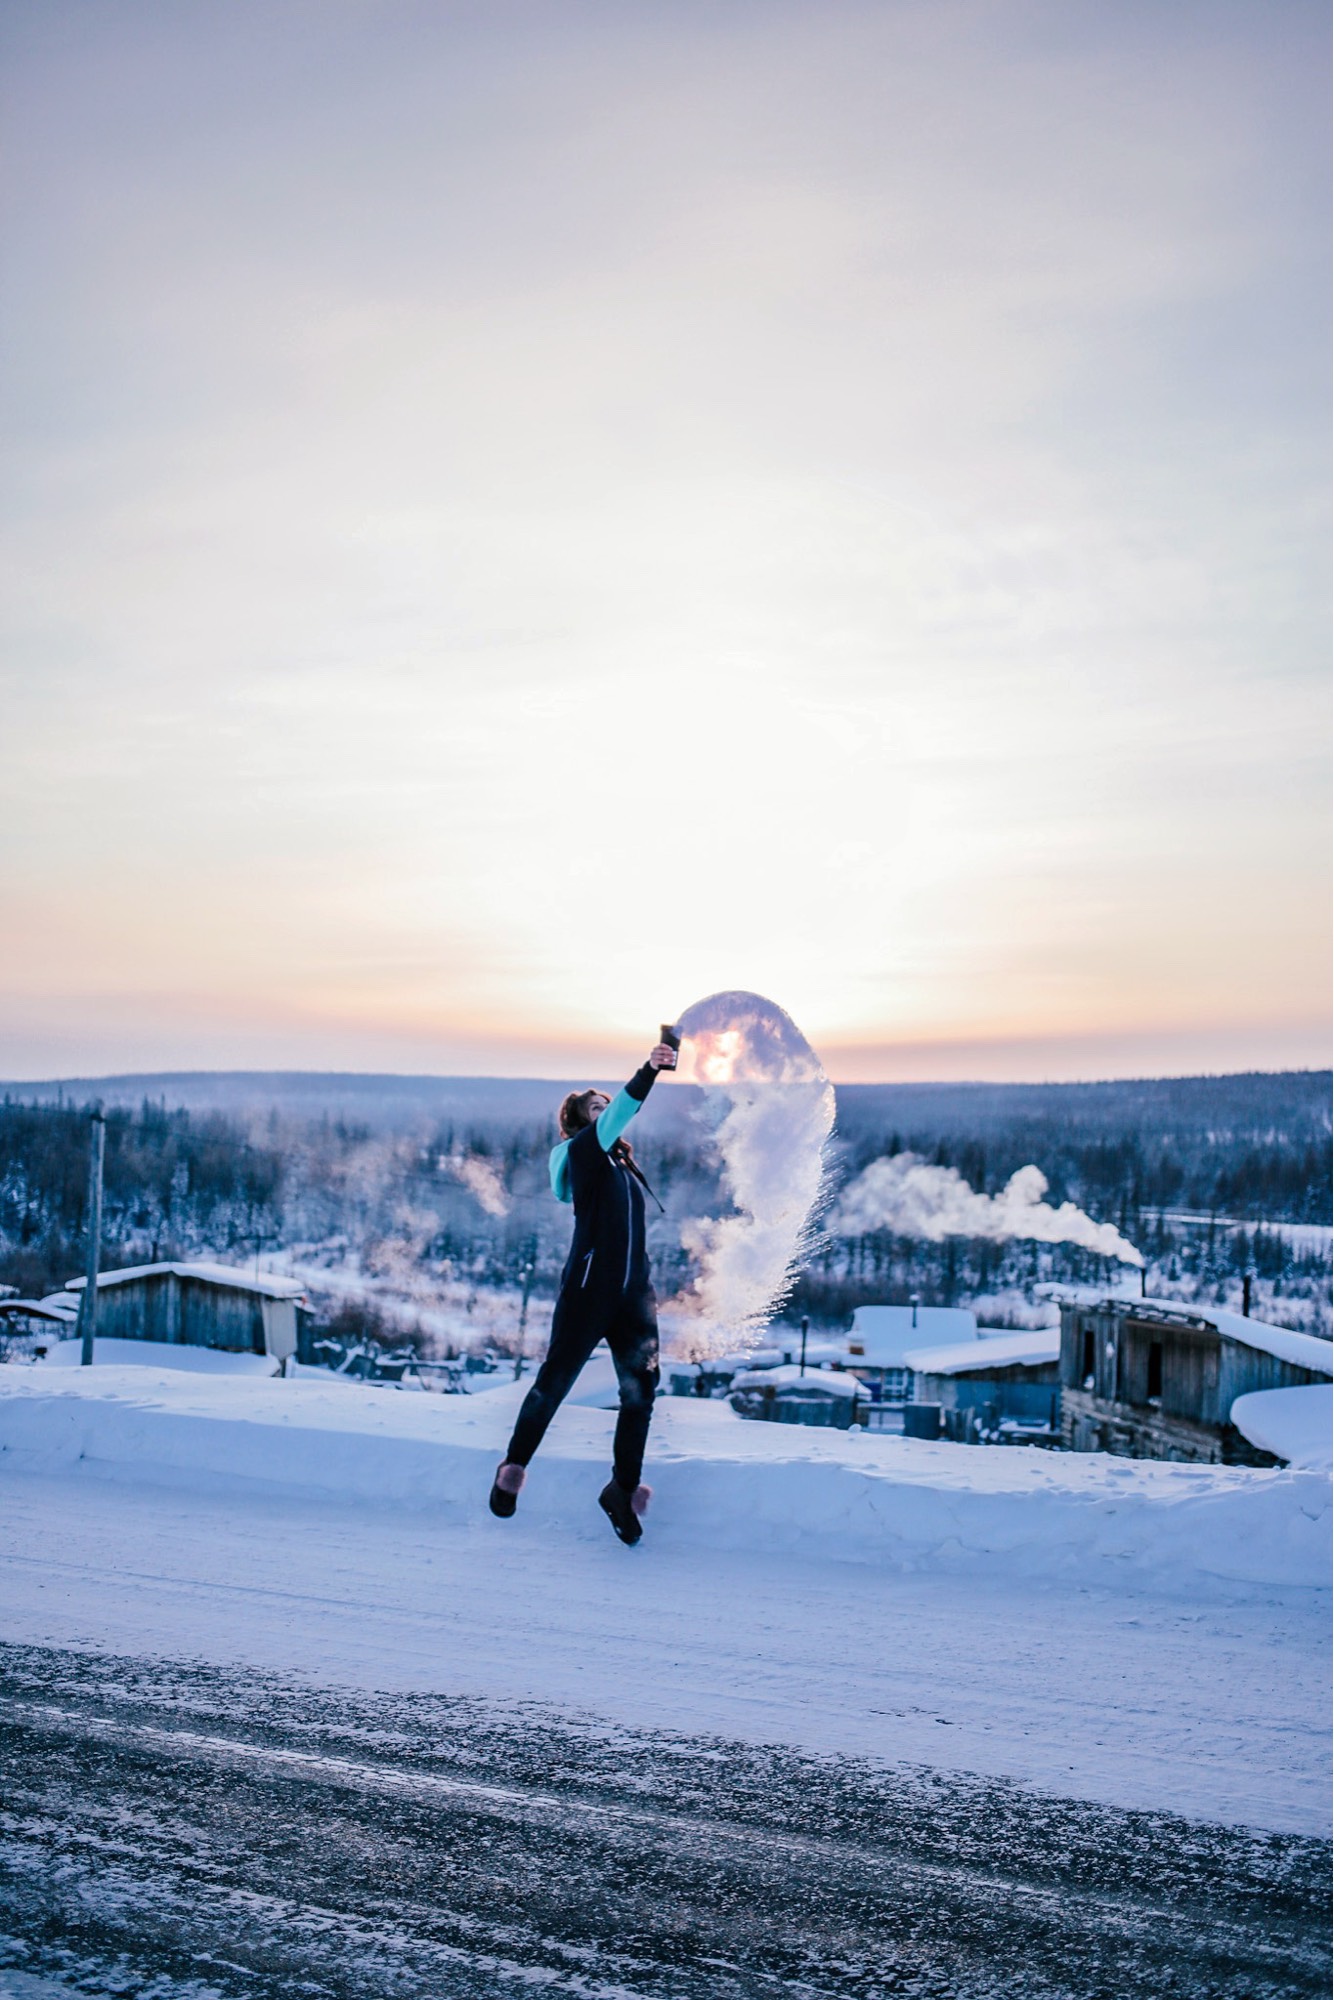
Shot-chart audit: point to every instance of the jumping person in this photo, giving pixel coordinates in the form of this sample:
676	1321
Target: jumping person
605	1294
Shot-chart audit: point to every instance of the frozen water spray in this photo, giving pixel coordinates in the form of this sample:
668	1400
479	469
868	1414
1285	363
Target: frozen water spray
768	1109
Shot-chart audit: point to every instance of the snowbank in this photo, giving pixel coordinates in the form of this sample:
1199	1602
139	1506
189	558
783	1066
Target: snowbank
1295	1424
159	1354
721	1482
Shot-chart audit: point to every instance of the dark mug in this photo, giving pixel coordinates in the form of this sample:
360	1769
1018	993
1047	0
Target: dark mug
672	1036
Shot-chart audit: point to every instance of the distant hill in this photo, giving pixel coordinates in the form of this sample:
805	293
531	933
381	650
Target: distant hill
385	1103
1281	1105
1255	1104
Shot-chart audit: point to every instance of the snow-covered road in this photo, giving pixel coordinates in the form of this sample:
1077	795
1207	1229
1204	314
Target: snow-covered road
1209	1706
196	1834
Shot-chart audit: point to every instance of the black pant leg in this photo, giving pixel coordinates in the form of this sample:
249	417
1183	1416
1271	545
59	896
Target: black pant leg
576	1330
633	1340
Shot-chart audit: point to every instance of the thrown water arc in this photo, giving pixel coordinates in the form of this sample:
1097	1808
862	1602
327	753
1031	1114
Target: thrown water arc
767	1109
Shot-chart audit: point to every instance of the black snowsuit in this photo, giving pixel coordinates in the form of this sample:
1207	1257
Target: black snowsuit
605	1292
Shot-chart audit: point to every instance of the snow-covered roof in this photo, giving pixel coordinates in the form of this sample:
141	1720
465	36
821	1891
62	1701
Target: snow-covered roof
1295	1424
36	1309
1302	1350
816	1381
776	1353
1031	1349
885	1333
267	1285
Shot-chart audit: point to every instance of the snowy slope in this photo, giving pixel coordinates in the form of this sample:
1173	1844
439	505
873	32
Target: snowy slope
1079	1625
177	1356
722	1481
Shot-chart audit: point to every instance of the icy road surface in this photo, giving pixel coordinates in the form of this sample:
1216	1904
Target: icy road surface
198	1834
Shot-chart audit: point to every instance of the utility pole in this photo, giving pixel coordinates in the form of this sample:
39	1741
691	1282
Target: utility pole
88	1317
805	1329
523	1317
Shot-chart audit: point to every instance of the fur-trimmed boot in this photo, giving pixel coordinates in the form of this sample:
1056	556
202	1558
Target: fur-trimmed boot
506	1488
625	1510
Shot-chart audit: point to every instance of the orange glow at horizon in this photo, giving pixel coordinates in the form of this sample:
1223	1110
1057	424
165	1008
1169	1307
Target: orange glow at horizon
465	603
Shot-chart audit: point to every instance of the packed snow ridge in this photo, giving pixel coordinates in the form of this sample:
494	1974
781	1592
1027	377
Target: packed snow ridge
720	1482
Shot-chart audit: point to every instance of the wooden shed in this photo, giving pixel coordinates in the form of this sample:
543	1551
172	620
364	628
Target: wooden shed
1154	1378
199	1305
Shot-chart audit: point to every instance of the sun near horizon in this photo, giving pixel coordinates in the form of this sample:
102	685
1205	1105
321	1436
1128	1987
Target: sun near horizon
517	523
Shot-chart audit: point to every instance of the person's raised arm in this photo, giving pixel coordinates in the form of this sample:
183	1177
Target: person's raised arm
613	1121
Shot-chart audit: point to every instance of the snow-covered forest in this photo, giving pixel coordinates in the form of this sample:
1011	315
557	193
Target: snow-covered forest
396	1228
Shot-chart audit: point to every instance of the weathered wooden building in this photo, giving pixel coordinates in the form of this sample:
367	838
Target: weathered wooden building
1153	1378
199	1305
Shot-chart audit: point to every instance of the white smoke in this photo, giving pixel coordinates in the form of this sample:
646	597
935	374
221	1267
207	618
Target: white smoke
481	1179
767	1109
908	1195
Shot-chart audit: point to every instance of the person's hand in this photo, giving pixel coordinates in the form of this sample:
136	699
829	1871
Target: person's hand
663	1057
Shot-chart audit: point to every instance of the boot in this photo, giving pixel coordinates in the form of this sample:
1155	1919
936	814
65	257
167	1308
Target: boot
506	1488
624	1509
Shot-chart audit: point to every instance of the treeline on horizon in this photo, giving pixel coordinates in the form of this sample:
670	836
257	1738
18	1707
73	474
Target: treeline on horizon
184	1183
1255	1146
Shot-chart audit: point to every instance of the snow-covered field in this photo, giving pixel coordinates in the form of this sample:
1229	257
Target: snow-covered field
1146	1635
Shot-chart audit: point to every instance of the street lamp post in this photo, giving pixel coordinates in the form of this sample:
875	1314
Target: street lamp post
88	1314
523	1317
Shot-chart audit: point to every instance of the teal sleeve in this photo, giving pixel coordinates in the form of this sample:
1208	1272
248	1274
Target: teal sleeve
613	1121
560	1171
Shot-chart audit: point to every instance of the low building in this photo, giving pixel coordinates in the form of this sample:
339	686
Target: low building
790	1395
713	1376
881	1338
1005	1388
31	1326
1153	1378
38	1315
200	1305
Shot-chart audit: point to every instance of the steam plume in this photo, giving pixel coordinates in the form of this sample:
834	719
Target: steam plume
768	1109
913	1198
481	1179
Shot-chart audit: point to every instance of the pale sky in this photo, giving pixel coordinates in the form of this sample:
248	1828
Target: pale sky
519	516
